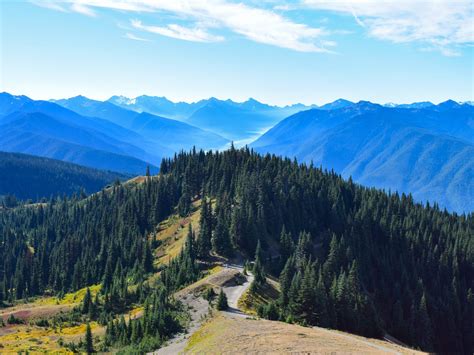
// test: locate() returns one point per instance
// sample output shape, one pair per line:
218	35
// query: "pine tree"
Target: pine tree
205	232
258	270
286	244
321	305
425	333
87	302
184	204
220	239
222	301
89	340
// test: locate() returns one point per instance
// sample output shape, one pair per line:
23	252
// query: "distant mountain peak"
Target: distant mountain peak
121	100
449	103
251	100
364	103
337	104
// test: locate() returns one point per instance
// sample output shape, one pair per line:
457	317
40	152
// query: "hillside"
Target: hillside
31	177
224	334
45	129
426	152
347	257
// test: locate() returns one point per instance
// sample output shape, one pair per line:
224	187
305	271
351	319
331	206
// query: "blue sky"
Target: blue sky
309	51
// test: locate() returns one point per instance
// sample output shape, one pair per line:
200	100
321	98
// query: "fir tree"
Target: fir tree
222	301
87	302
89	342
258	270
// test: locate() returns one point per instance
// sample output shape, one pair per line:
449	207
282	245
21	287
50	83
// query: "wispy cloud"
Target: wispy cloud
195	34
131	36
52	5
82	9
444	25
254	23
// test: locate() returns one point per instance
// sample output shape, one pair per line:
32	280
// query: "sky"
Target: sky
278	52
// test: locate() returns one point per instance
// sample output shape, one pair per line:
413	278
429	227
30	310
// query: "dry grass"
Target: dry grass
172	234
229	335
23	337
249	301
45	307
216	277
69	298
45	340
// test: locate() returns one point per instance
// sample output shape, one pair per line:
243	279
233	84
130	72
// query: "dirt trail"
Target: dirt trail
199	308
198	312
234	293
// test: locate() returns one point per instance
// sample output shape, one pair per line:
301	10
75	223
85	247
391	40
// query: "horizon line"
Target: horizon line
238	101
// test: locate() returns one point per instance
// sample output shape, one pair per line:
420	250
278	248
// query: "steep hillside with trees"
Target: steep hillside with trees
348	257
32	177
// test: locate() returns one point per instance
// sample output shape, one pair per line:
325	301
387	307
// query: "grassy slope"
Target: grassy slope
171	233
29	337
250	300
224	334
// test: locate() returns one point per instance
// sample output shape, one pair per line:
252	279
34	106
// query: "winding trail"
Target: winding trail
234	293
200	308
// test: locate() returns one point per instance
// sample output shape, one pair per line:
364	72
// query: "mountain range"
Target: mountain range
419	148
45	129
162	134
235	121
96	134
428	152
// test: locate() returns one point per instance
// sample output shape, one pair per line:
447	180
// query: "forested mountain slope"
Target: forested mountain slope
31	177
426	152
160	132
45	129
348	257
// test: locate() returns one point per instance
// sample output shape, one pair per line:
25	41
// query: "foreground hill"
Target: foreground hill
226	334
31	177
347	257
426	152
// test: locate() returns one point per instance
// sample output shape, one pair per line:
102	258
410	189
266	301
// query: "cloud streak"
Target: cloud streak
176	31
254	23
131	36
444	25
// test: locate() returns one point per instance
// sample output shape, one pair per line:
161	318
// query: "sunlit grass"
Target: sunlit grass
69	298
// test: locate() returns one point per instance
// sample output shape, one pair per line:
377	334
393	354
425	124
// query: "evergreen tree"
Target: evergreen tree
425	335
222	301
87	302
258	270
205	232
89	342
